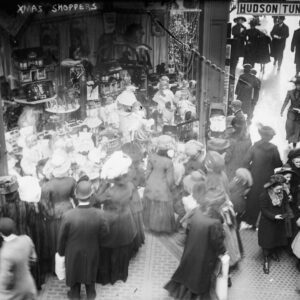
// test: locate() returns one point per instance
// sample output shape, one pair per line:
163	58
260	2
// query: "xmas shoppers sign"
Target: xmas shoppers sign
269	7
56	8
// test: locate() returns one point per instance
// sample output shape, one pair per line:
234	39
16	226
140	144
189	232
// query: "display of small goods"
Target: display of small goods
67	101
36	91
28	58
30	64
11	138
111	84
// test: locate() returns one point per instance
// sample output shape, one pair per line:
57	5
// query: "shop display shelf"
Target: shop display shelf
58	111
24	101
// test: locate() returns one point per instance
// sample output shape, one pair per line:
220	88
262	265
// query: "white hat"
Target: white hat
29	189
60	163
96	155
117	165
126	98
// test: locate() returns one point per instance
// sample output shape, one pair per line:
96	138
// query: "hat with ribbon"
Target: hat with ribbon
189	181
294	153
60	164
244	175
118	164
126	98
193	148
277	179
285	169
218	144
29	189
214	161
166	142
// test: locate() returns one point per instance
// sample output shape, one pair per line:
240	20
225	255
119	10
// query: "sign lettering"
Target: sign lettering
265	8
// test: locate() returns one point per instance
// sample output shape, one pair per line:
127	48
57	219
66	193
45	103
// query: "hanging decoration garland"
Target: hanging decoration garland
190	48
184	27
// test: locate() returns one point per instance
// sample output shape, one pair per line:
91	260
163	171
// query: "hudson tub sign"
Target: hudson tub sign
269	8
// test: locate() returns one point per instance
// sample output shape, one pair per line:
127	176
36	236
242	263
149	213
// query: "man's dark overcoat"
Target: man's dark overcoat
79	241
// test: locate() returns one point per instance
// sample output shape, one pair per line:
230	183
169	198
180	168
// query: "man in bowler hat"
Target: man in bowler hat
296	46
279	34
79	241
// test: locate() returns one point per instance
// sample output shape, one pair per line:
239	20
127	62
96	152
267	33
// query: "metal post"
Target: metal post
3	154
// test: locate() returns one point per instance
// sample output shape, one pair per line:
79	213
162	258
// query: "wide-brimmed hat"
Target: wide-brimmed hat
83	190
189	181
166	142
60	163
134	151
239	18
294	153
215	196
29	189
96	155
281	18
244	175
214	161
126	98
193	148
218	144
118	164
277	179
285	169
266	131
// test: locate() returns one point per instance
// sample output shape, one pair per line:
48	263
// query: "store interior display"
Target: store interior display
86	104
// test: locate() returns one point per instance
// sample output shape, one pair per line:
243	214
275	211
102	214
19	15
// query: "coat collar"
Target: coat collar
84	205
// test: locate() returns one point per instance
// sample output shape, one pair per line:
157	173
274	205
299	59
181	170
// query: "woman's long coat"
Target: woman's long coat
271	232
261	160
79	241
199	260
292	125
296	45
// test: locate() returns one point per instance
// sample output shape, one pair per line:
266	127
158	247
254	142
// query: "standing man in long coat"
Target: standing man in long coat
244	91
238	47
279	34
296	45
261	160
79	241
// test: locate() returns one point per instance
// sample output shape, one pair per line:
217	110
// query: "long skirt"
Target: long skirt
140	236
180	292
53	229
114	263
159	216
232	245
292	128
